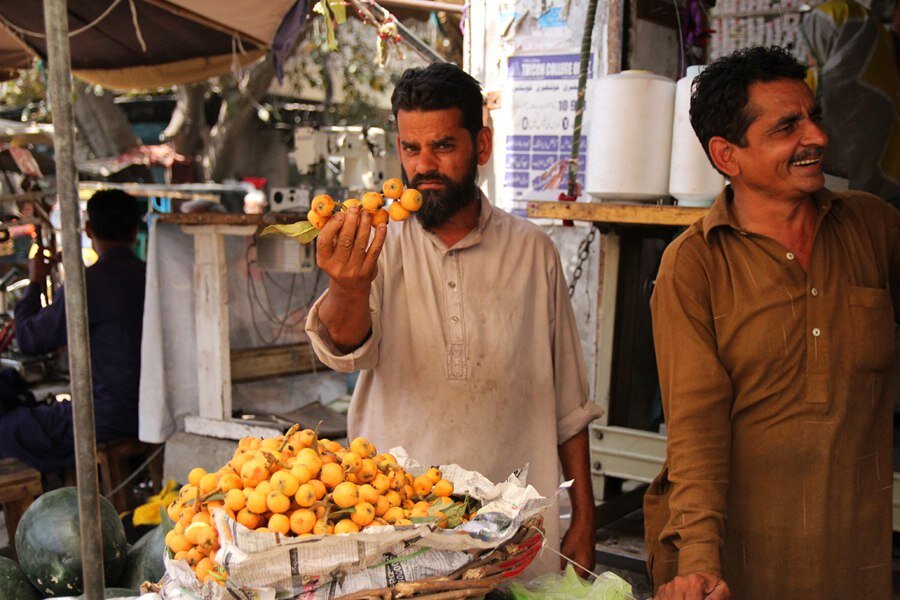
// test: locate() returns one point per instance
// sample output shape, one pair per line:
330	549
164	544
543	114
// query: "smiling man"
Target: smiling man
459	319
773	321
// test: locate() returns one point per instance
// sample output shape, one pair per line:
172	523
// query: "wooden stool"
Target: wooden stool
114	465
19	486
114	462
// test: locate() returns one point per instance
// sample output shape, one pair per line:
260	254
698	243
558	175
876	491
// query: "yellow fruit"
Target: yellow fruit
254	472
265	487
256	503
230	481
301	473
310	459
351	462
419	511
179	543
442	488
350	202
202	568
306	437
302	521
411	199
235	500
279	523
208	483
322	526
202	517
208	539
285	482
422	485
381	506
397	213
372	201
345	526
368	471
434	474
249	443
174	510
394	514
192	532
271	443
248	519
195	475
345	495
393	498
315	219
183	555
368	494
319	487
323	204
363	514
331	475
392	188
306	495
381	483
380	217
277	502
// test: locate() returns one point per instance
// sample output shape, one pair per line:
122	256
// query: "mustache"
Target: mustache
809	154
429	177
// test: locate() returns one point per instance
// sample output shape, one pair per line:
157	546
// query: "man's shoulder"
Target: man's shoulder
691	242
863	203
519	227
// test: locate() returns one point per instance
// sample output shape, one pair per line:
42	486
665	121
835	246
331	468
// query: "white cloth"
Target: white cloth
474	356
168	390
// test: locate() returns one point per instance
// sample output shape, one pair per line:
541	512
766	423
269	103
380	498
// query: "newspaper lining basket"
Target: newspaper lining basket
474	579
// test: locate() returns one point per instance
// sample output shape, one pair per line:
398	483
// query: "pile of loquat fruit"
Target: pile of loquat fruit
404	202
300	485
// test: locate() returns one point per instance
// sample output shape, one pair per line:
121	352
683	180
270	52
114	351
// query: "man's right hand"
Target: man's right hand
344	253
39	266
696	586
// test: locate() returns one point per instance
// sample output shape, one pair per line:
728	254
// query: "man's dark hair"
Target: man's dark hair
721	92
113	215
437	87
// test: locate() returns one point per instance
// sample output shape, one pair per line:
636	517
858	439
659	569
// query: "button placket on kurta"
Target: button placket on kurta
456	339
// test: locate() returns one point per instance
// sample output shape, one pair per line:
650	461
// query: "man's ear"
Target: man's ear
88	230
485	143
723	156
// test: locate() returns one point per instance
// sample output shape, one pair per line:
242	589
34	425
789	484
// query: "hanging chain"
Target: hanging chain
584	251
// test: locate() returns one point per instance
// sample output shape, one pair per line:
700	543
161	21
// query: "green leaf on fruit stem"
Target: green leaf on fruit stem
303	232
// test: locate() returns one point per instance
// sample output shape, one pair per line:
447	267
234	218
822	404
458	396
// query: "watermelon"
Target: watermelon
48	542
145	559
13	583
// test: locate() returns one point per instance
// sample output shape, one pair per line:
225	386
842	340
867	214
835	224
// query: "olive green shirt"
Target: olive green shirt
777	386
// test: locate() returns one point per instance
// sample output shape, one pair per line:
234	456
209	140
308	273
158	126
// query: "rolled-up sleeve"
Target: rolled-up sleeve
364	357
697	398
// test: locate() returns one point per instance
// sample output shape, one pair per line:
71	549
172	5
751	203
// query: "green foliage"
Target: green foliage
29	89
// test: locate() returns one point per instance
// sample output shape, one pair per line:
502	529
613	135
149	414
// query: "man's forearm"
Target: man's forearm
346	318
575	459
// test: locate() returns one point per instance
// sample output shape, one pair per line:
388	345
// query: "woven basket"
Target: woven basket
476	578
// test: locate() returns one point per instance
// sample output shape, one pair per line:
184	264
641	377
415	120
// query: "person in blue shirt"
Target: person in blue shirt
42	435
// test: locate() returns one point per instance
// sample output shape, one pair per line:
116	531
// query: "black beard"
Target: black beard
439	205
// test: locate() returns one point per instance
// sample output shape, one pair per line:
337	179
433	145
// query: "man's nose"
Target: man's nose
814	135
426	161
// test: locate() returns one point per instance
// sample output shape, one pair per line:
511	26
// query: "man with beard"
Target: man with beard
773	320
459	319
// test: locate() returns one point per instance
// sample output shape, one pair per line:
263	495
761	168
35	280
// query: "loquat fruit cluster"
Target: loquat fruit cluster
300	485
404	202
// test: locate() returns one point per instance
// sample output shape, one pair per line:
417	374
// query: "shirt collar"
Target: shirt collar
473	237
721	213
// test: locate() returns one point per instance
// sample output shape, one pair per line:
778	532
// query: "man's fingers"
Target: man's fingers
719	591
343	245
325	239
375	249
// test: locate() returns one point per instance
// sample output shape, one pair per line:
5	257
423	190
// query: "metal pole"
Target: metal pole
57	25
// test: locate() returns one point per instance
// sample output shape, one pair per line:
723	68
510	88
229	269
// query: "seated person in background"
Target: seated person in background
42	435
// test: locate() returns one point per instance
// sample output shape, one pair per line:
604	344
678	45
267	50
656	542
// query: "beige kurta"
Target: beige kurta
474	356
777	386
